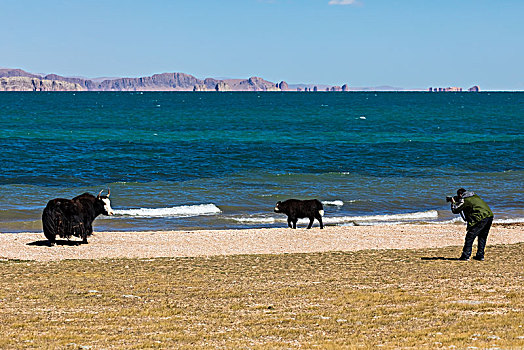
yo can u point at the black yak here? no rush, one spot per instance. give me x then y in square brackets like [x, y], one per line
[296, 209]
[74, 217]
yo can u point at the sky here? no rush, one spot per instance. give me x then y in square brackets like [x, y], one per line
[411, 44]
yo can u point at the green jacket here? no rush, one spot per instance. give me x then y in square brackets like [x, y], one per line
[473, 208]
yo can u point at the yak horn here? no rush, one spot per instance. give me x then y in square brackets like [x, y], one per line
[108, 192]
[99, 193]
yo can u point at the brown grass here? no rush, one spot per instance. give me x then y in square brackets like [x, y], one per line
[364, 299]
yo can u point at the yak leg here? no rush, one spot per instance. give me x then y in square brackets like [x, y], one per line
[319, 218]
[289, 223]
[295, 223]
[311, 219]
[86, 230]
[52, 241]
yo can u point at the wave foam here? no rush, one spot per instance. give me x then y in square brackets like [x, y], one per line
[390, 219]
[373, 223]
[336, 203]
[370, 220]
[422, 215]
[180, 211]
[255, 220]
[509, 221]
[516, 220]
[453, 221]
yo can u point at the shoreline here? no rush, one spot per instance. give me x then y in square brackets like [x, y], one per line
[157, 244]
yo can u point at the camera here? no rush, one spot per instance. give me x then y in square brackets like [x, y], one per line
[452, 199]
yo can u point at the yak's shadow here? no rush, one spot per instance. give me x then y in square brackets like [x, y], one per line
[65, 242]
[437, 258]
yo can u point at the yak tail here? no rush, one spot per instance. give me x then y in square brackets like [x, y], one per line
[49, 224]
[320, 207]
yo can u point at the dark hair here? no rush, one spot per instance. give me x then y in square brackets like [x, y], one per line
[460, 192]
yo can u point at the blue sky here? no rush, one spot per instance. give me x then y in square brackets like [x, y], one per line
[403, 43]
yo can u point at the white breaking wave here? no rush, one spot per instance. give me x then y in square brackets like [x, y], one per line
[181, 211]
[256, 220]
[509, 221]
[336, 203]
[374, 223]
[369, 220]
[391, 219]
[496, 221]
[453, 221]
[430, 214]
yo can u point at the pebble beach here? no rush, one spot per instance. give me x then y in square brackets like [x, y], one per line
[154, 244]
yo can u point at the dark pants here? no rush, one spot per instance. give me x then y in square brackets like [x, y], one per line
[480, 230]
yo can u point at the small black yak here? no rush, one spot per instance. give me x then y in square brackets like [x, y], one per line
[74, 217]
[296, 209]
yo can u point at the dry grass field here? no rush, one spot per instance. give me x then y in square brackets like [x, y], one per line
[364, 299]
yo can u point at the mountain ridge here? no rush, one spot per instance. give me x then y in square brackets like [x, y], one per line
[174, 81]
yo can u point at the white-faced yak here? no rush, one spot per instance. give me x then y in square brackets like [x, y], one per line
[74, 217]
[296, 209]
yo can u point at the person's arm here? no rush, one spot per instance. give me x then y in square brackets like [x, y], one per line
[456, 207]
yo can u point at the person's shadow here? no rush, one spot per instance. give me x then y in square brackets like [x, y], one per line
[64, 242]
[437, 258]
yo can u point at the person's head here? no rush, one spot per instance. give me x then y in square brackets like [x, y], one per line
[460, 192]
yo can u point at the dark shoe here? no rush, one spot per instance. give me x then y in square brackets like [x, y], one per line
[479, 258]
[463, 258]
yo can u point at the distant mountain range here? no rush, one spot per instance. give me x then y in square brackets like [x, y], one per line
[20, 80]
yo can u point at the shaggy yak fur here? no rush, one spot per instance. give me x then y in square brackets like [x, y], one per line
[296, 209]
[72, 217]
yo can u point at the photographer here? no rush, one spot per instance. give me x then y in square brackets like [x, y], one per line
[479, 217]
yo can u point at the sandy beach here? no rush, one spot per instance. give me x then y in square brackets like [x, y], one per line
[33, 246]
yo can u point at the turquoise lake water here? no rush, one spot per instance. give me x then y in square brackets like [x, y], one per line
[222, 160]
